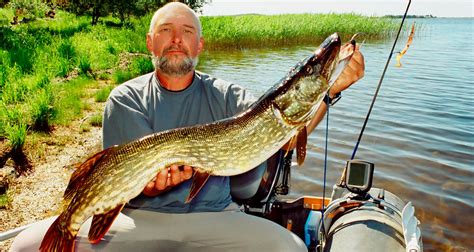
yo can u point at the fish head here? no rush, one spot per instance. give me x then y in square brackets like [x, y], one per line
[301, 92]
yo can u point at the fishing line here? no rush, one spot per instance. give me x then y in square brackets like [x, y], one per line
[325, 160]
[380, 82]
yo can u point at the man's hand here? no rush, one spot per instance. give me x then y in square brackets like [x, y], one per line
[168, 178]
[352, 72]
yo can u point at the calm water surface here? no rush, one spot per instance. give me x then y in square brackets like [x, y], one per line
[421, 132]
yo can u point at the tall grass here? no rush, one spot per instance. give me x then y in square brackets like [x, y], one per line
[96, 120]
[289, 29]
[102, 94]
[42, 110]
[14, 127]
[69, 102]
[120, 76]
[84, 65]
[140, 65]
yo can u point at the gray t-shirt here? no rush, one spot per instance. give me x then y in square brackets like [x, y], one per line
[142, 106]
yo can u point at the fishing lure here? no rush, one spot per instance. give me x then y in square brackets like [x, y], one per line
[410, 39]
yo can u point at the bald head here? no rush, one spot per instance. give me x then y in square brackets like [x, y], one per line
[174, 8]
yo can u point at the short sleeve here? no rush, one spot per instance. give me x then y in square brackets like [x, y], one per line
[238, 99]
[124, 120]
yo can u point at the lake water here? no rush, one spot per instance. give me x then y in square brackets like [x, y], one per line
[421, 132]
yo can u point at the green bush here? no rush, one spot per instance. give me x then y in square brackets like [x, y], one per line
[16, 135]
[140, 66]
[103, 94]
[111, 49]
[23, 58]
[121, 76]
[29, 9]
[96, 120]
[68, 101]
[63, 67]
[66, 50]
[14, 90]
[42, 110]
[84, 65]
[43, 81]
[3, 76]
[15, 128]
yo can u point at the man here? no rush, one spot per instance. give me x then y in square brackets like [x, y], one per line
[176, 95]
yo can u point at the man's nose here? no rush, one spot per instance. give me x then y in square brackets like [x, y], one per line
[177, 37]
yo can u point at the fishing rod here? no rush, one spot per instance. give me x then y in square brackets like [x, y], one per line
[365, 121]
[380, 82]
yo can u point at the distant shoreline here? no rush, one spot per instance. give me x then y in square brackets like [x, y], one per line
[424, 16]
[410, 16]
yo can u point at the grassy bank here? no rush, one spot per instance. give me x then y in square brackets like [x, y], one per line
[46, 65]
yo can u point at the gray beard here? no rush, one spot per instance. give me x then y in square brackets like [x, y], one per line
[174, 69]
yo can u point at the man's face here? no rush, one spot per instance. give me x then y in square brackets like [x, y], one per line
[175, 43]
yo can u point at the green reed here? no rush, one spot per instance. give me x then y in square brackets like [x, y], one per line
[289, 29]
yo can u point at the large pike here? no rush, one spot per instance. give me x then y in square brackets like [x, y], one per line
[105, 182]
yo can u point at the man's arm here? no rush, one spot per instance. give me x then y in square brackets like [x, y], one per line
[352, 73]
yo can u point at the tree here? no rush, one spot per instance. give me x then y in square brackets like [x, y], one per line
[94, 8]
[122, 9]
[196, 5]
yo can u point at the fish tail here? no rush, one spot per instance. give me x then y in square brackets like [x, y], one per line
[57, 239]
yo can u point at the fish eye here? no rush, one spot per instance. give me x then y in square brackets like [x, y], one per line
[309, 70]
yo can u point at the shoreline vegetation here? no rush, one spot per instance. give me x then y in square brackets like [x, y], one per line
[252, 30]
[49, 66]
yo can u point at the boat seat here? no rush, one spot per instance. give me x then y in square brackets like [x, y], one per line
[256, 185]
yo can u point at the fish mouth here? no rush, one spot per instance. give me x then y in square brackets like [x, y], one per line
[328, 53]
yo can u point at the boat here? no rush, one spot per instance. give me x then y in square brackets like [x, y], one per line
[356, 217]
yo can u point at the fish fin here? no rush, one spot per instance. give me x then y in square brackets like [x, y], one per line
[290, 144]
[301, 141]
[199, 179]
[56, 239]
[277, 111]
[101, 223]
[82, 172]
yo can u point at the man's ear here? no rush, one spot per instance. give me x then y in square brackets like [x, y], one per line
[149, 42]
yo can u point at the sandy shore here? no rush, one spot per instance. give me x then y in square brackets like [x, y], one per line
[38, 195]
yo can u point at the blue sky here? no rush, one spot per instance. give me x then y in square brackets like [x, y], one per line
[439, 8]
